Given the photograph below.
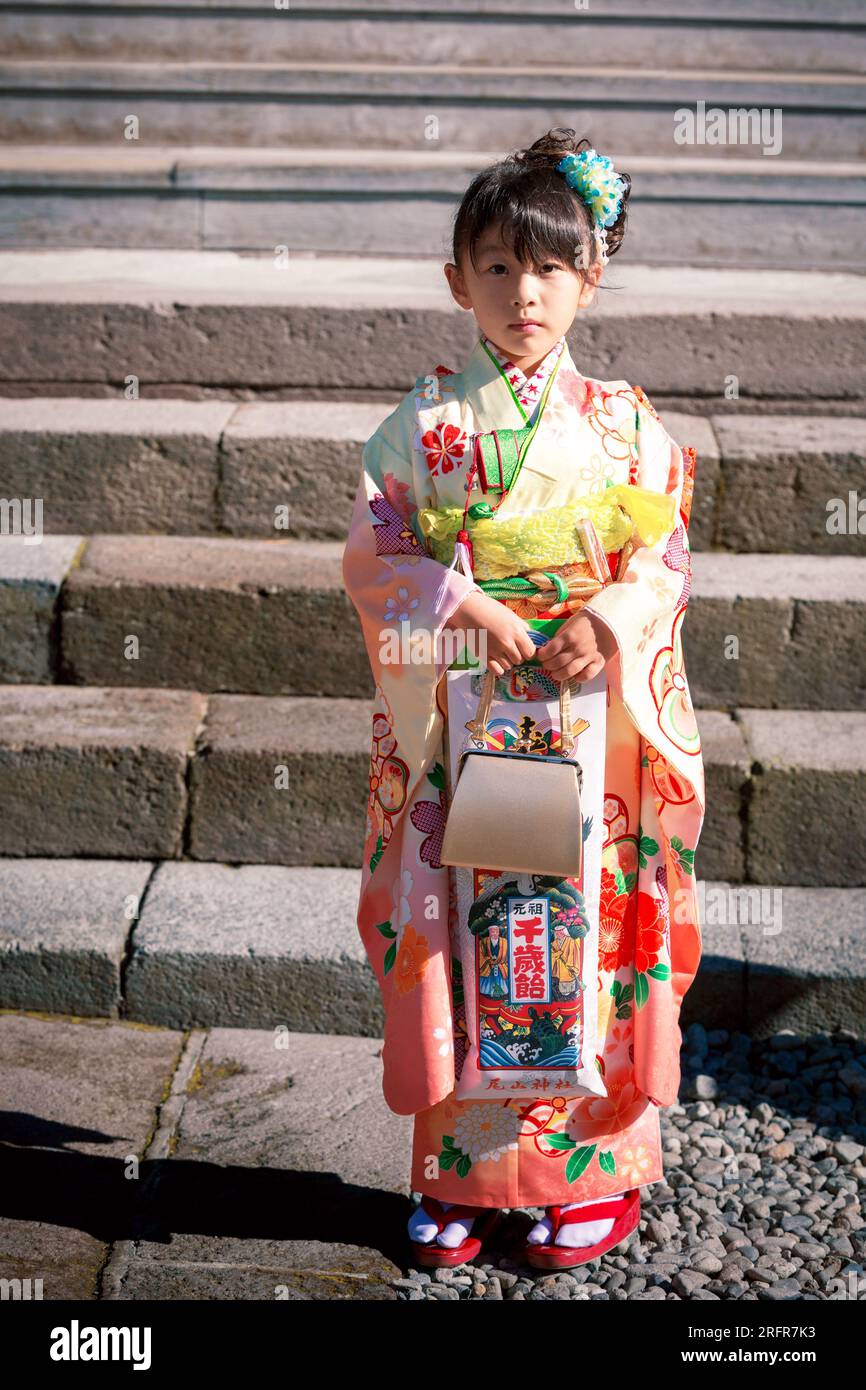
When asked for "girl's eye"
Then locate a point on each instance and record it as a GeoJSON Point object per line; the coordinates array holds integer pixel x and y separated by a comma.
{"type": "Point", "coordinates": [551, 265]}
{"type": "Point", "coordinates": [498, 267]}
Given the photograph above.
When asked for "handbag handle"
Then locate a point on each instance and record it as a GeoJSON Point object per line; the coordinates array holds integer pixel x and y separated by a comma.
{"type": "Point", "coordinates": [478, 725]}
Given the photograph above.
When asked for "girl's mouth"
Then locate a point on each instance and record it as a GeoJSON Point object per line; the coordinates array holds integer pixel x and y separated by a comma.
{"type": "Point", "coordinates": [525, 326]}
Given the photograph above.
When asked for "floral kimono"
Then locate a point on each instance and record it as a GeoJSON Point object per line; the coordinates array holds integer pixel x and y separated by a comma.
{"type": "Point", "coordinates": [599, 453]}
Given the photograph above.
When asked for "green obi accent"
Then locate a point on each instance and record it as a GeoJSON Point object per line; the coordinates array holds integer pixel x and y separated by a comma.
{"type": "Point", "coordinates": [498, 466]}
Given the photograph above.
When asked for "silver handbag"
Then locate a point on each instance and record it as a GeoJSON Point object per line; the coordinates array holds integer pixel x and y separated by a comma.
{"type": "Point", "coordinates": [512, 810]}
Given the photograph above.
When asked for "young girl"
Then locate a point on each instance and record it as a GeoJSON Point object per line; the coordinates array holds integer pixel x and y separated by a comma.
{"type": "Point", "coordinates": [531, 238]}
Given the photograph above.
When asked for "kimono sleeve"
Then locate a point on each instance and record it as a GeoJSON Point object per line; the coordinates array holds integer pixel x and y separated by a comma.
{"type": "Point", "coordinates": [403, 596]}
{"type": "Point", "coordinates": [656, 581]}
{"type": "Point", "coordinates": [644, 607]}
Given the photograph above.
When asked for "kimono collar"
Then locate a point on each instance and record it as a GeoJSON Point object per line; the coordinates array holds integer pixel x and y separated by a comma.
{"type": "Point", "coordinates": [528, 389]}
{"type": "Point", "coordinates": [492, 397]}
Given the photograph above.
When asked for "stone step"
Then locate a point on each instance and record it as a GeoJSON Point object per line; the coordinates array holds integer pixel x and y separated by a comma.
{"type": "Point", "coordinates": [219, 323]}
{"type": "Point", "coordinates": [238, 779]}
{"type": "Point", "coordinates": [272, 618]}
{"type": "Point", "coordinates": [828, 38]}
{"type": "Point", "coordinates": [728, 212]}
{"type": "Point", "coordinates": [199, 945]}
{"type": "Point", "coordinates": [151, 466]}
{"type": "Point", "coordinates": [409, 105]}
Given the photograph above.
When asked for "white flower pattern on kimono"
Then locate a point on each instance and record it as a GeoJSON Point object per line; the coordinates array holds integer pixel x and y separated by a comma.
{"type": "Point", "coordinates": [402, 603]}
{"type": "Point", "coordinates": [487, 1131]}
{"type": "Point", "coordinates": [558, 418]}
{"type": "Point", "coordinates": [446, 1035]}
{"type": "Point", "coordinates": [665, 589]}
{"type": "Point", "coordinates": [596, 472]}
{"type": "Point", "coordinates": [636, 1163]}
{"type": "Point", "coordinates": [402, 914]}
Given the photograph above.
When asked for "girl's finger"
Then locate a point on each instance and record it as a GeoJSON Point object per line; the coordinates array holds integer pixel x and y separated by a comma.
{"type": "Point", "coordinates": [558, 664]}
{"type": "Point", "coordinates": [587, 671]}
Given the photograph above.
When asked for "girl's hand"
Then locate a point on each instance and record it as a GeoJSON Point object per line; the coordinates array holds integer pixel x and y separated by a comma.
{"type": "Point", "coordinates": [508, 639]}
{"type": "Point", "coordinates": [579, 649]}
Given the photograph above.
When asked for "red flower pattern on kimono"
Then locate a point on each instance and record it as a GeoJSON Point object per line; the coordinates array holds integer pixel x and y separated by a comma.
{"type": "Point", "coordinates": [650, 933]}
{"type": "Point", "coordinates": [444, 448]}
{"type": "Point", "coordinates": [690, 459]}
{"type": "Point", "coordinates": [576, 391]}
{"type": "Point", "coordinates": [399, 495]}
{"type": "Point", "coordinates": [616, 924]}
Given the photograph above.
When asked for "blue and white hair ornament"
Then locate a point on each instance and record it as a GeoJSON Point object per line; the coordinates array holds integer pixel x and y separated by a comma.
{"type": "Point", "coordinates": [593, 176]}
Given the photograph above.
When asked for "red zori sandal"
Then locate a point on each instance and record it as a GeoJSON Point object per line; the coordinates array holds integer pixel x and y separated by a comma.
{"type": "Point", "coordinates": [625, 1211]}
{"type": "Point", "coordinates": [432, 1254]}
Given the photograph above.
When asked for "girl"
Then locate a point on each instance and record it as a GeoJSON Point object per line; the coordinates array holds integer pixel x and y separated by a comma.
{"type": "Point", "coordinates": [531, 238]}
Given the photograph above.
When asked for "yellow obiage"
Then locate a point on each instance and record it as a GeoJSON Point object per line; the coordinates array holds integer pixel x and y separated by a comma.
{"type": "Point", "coordinates": [540, 540]}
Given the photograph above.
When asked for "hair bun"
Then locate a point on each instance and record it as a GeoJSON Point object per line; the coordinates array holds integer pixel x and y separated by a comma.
{"type": "Point", "coordinates": [552, 146]}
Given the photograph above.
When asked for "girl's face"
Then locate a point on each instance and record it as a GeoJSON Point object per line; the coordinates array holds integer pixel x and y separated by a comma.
{"type": "Point", "coordinates": [504, 294]}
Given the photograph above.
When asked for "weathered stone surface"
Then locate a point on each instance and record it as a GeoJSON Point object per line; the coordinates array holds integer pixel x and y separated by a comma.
{"type": "Point", "coordinates": [288, 1175]}
{"type": "Point", "coordinates": [693, 430]}
{"type": "Point", "coordinates": [218, 319]}
{"type": "Point", "coordinates": [32, 569]}
{"type": "Point", "coordinates": [194, 467]}
{"type": "Point", "coordinates": [717, 996]}
{"type": "Point", "coordinates": [757, 631]}
{"type": "Point", "coordinates": [807, 809]}
{"type": "Point", "coordinates": [80, 1100]}
{"type": "Point", "coordinates": [721, 849]}
{"type": "Point", "coordinates": [242, 615]}
{"type": "Point", "coordinates": [106, 769]}
{"type": "Point", "coordinates": [281, 781]}
{"type": "Point", "coordinates": [303, 455]}
{"type": "Point", "coordinates": [117, 465]}
{"type": "Point", "coordinates": [257, 946]}
{"type": "Point", "coordinates": [489, 32]}
{"type": "Point", "coordinates": [277, 948]}
{"type": "Point", "coordinates": [269, 617]}
{"type": "Point", "coordinates": [304, 1270]}
{"type": "Point", "coordinates": [64, 925]}
{"type": "Point", "coordinates": [806, 961]}
{"type": "Point", "coordinates": [781, 475]}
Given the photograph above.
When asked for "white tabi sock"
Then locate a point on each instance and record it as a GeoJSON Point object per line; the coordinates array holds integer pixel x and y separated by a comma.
{"type": "Point", "coordinates": [575, 1233]}
{"type": "Point", "coordinates": [422, 1229]}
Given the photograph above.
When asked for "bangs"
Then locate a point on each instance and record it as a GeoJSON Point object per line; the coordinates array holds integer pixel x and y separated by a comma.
{"type": "Point", "coordinates": [539, 217]}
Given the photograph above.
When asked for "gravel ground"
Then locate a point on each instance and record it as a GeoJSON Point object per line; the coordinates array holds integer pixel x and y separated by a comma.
{"type": "Point", "coordinates": [765, 1171]}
